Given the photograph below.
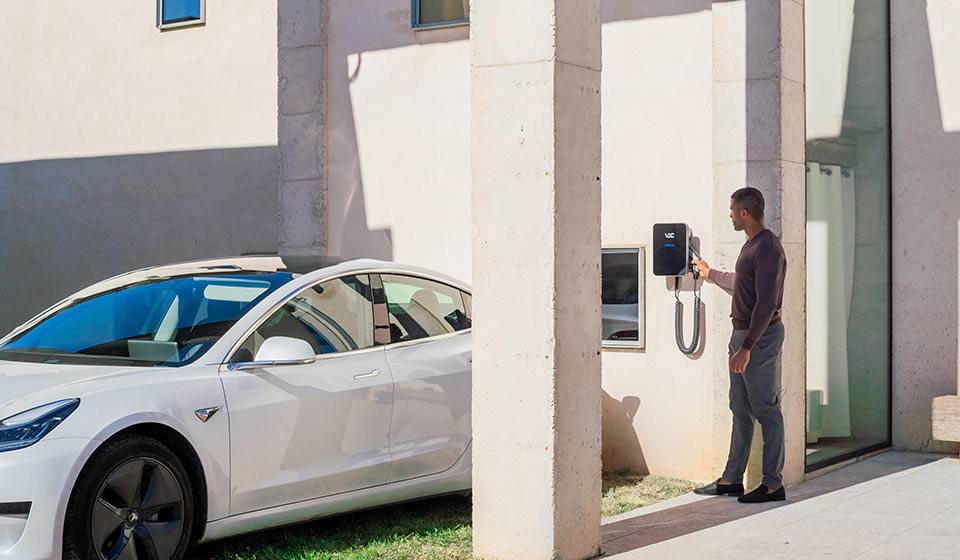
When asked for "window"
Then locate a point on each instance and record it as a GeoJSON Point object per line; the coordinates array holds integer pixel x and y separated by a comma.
{"type": "Point", "coordinates": [848, 229]}
{"type": "Point", "coordinates": [157, 322]}
{"type": "Point", "coordinates": [440, 13]}
{"type": "Point", "coordinates": [421, 308]}
{"type": "Point", "coordinates": [179, 13]}
{"type": "Point", "coordinates": [622, 297]}
{"type": "Point", "coordinates": [335, 316]}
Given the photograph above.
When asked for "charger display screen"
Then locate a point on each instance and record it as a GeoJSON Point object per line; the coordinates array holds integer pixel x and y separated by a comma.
{"type": "Point", "coordinates": [670, 249]}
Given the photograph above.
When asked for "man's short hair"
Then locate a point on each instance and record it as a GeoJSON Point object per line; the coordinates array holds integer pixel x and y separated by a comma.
{"type": "Point", "coordinates": [751, 200]}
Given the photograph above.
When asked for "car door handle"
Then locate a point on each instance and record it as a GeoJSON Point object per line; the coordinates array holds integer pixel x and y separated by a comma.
{"type": "Point", "coordinates": [367, 375]}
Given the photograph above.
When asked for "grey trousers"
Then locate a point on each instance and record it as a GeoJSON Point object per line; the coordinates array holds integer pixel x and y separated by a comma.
{"type": "Point", "coordinates": [756, 394]}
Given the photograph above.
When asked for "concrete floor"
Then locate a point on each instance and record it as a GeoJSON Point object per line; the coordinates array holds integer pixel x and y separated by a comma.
{"type": "Point", "coordinates": [894, 505]}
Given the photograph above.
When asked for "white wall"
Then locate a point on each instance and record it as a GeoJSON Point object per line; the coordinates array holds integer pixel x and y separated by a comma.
{"type": "Point", "coordinates": [657, 167]}
{"type": "Point", "coordinates": [123, 146]}
{"type": "Point", "coordinates": [399, 187]}
{"type": "Point", "coordinates": [399, 137]}
{"type": "Point", "coordinates": [926, 210]}
{"type": "Point", "coordinates": [83, 80]}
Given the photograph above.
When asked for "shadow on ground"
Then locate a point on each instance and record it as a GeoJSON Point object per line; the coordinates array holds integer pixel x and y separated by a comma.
{"type": "Point", "coordinates": [636, 531]}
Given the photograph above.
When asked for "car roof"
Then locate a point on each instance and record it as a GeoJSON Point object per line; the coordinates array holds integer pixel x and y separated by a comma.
{"type": "Point", "coordinates": [298, 265]}
{"type": "Point", "coordinates": [295, 264]}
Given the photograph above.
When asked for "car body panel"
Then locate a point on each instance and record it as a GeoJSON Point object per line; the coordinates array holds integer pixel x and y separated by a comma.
{"type": "Point", "coordinates": [297, 403]}
{"type": "Point", "coordinates": [115, 399]}
{"type": "Point", "coordinates": [431, 412]}
{"type": "Point", "coordinates": [307, 431]}
{"type": "Point", "coordinates": [454, 480]}
{"type": "Point", "coordinates": [42, 474]}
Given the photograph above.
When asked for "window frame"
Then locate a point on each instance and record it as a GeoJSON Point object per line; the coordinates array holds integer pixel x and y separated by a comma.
{"type": "Point", "coordinates": [180, 24]}
{"type": "Point", "coordinates": [463, 300]}
{"type": "Point", "coordinates": [238, 344]}
{"type": "Point", "coordinates": [640, 344]}
{"type": "Point", "coordinates": [417, 26]}
{"type": "Point", "coordinates": [376, 285]}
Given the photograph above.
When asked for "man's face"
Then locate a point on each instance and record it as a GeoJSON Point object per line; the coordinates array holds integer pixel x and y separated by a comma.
{"type": "Point", "coordinates": [737, 216]}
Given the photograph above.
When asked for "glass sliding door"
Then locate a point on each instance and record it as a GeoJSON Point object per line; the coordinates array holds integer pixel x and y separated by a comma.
{"type": "Point", "coordinates": [848, 228]}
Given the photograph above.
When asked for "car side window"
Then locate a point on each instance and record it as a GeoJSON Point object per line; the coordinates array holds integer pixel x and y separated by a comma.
{"type": "Point", "coordinates": [420, 308]}
{"type": "Point", "coordinates": [335, 316]}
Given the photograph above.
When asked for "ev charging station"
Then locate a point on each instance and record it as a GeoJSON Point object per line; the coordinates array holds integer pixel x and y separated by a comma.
{"type": "Point", "coordinates": [672, 253]}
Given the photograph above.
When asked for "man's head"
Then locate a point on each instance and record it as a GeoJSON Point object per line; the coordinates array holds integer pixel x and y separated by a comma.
{"type": "Point", "coordinates": [746, 206]}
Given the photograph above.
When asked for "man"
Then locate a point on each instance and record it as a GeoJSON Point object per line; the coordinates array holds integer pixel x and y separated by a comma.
{"type": "Point", "coordinates": [755, 350]}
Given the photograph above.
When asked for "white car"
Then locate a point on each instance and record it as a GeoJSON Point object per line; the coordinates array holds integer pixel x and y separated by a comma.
{"type": "Point", "coordinates": [191, 402]}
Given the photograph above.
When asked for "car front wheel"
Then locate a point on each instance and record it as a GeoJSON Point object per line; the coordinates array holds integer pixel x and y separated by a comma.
{"type": "Point", "coordinates": [132, 501]}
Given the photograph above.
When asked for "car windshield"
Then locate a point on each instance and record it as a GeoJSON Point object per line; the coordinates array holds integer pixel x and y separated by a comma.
{"type": "Point", "coordinates": [160, 321]}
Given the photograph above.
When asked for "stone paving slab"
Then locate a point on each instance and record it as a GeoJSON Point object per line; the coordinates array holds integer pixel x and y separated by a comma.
{"type": "Point", "coordinates": [894, 505]}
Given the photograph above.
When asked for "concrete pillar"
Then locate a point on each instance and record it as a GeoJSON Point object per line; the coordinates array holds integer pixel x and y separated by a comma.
{"type": "Point", "coordinates": [301, 126]}
{"type": "Point", "coordinates": [536, 253]}
{"type": "Point", "coordinates": [758, 131]}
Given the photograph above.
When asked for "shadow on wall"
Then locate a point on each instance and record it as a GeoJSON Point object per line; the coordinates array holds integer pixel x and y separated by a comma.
{"type": "Point", "coordinates": [67, 223]}
{"type": "Point", "coordinates": [621, 446]}
{"type": "Point", "coordinates": [353, 34]}
{"type": "Point", "coordinates": [619, 11]}
{"type": "Point", "coordinates": [926, 210]}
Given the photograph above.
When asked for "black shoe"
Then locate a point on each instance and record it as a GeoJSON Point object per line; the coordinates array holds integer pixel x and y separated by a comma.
{"type": "Point", "coordinates": [717, 489]}
{"type": "Point", "coordinates": [762, 494]}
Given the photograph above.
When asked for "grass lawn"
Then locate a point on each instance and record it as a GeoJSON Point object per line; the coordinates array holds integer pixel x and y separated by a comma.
{"type": "Point", "coordinates": [437, 529]}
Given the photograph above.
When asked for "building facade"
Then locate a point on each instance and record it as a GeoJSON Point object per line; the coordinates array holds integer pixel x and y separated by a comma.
{"type": "Point", "coordinates": [343, 127]}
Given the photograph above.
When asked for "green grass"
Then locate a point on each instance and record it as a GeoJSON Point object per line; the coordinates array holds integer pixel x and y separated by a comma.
{"type": "Point", "coordinates": [437, 529]}
{"type": "Point", "coordinates": [624, 491]}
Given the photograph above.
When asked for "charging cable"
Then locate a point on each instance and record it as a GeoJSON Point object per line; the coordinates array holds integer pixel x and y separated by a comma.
{"type": "Point", "coordinates": [678, 322]}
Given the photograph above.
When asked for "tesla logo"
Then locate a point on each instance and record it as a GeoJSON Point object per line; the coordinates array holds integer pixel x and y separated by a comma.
{"type": "Point", "coordinates": [670, 235]}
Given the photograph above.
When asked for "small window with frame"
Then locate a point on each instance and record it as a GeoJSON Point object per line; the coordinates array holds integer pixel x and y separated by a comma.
{"type": "Point", "coordinates": [172, 14]}
{"type": "Point", "coordinates": [622, 295]}
{"type": "Point", "coordinates": [431, 14]}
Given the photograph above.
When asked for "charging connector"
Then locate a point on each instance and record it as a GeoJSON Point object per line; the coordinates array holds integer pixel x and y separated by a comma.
{"type": "Point", "coordinates": [678, 315]}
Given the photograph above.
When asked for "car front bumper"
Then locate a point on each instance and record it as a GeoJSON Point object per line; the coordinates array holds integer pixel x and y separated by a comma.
{"type": "Point", "coordinates": [43, 476]}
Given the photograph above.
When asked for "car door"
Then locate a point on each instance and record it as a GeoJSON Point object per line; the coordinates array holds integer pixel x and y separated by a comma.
{"type": "Point", "coordinates": [430, 358]}
{"type": "Point", "coordinates": [299, 432]}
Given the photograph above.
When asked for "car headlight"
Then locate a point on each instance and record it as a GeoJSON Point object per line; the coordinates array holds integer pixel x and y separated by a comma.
{"type": "Point", "coordinates": [29, 427]}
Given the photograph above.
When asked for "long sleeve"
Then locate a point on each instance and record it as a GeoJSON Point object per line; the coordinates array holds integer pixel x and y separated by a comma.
{"type": "Point", "coordinates": [726, 280]}
{"type": "Point", "coordinates": [768, 279]}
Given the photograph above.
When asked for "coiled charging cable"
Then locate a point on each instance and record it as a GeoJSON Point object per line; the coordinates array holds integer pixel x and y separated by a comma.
{"type": "Point", "coordinates": [678, 322]}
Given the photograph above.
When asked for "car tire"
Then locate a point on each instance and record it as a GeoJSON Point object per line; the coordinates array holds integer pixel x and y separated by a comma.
{"type": "Point", "coordinates": [132, 492]}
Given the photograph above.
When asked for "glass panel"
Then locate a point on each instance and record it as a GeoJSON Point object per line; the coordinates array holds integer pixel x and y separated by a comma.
{"type": "Point", "coordinates": [176, 11]}
{"type": "Point", "coordinates": [620, 294]}
{"type": "Point", "coordinates": [164, 321]}
{"type": "Point", "coordinates": [848, 227]}
{"type": "Point", "coordinates": [441, 11]}
{"type": "Point", "coordinates": [335, 316]}
{"type": "Point", "coordinates": [421, 308]}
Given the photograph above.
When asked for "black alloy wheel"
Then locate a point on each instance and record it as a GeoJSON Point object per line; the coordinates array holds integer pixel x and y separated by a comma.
{"type": "Point", "coordinates": [132, 501]}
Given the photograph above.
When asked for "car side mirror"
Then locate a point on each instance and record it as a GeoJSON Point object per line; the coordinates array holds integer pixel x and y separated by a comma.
{"type": "Point", "coordinates": [279, 351]}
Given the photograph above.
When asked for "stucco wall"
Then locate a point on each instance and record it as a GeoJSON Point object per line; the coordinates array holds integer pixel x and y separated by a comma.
{"type": "Point", "coordinates": [399, 184]}
{"type": "Point", "coordinates": [657, 167]}
{"type": "Point", "coordinates": [124, 146]}
{"type": "Point", "coordinates": [399, 137]}
{"type": "Point", "coordinates": [925, 72]}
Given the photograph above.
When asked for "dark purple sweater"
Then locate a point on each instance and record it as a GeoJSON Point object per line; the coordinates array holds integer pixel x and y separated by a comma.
{"type": "Point", "coordinates": [757, 285]}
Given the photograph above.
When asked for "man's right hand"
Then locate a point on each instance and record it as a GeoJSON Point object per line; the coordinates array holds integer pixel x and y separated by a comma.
{"type": "Point", "coordinates": [702, 267]}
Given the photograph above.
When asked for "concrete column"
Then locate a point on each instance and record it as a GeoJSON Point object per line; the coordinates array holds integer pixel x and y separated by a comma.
{"type": "Point", "coordinates": [758, 129]}
{"type": "Point", "coordinates": [302, 125]}
{"type": "Point", "coordinates": [536, 253]}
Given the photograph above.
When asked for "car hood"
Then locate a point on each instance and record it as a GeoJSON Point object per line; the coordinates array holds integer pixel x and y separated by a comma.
{"type": "Point", "coordinates": [24, 385]}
